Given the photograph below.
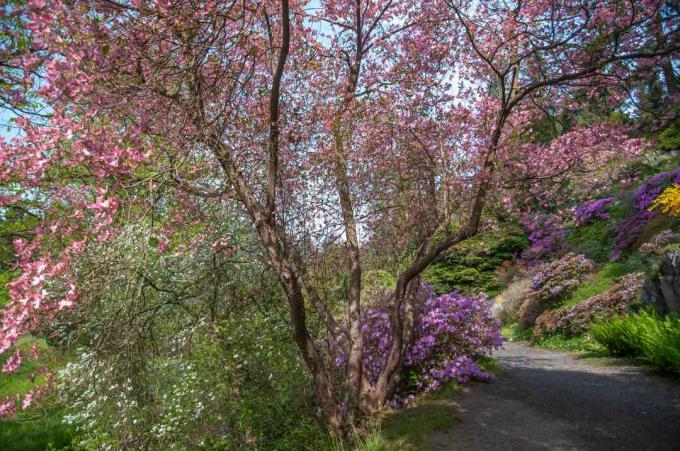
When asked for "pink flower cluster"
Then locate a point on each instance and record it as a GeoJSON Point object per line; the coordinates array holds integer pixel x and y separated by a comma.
{"type": "Point", "coordinates": [658, 241]}
{"type": "Point", "coordinates": [580, 317]}
{"type": "Point", "coordinates": [559, 278]}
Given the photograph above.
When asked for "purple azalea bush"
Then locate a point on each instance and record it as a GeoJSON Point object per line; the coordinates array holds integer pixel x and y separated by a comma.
{"type": "Point", "coordinates": [630, 228]}
{"type": "Point", "coordinates": [450, 333]}
{"type": "Point", "coordinates": [558, 279]}
{"type": "Point", "coordinates": [546, 235]}
{"type": "Point", "coordinates": [650, 190]}
{"type": "Point", "coordinates": [593, 210]}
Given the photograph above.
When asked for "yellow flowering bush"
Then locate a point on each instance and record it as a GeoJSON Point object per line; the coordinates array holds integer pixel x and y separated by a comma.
{"type": "Point", "coordinates": [668, 201]}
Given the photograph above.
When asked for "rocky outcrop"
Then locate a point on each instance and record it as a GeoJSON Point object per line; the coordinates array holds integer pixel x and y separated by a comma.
{"type": "Point", "coordinates": [663, 290]}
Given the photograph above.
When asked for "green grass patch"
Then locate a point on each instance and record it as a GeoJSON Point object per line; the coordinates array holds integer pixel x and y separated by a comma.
{"type": "Point", "coordinates": [35, 430]}
{"type": "Point", "coordinates": [410, 428]}
{"type": "Point", "coordinates": [18, 382]}
{"type": "Point", "coordinates": [603, 280]}
{"type": "Point", "coordinates": [512, 332]}
{"type": "Point", "coordinates": [40, 427]}
{"type": "Point", "coordinates": [557, 342]}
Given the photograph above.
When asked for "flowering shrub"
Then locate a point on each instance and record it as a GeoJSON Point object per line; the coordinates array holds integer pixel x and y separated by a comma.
{"type": "Point", "coordinates": [509, 301]}
{"type": "Point", "coordinates": [630, 228]}
{"type": "Point", "coordinates": [650, 190]}
{"type": "Point", "coordinates": [658, 242]}
{"type": "Point", "coordinates": [580, 317]}
{"type": "Point", "coordinates": [450, 332]}
{"type": "Point", "coordinates": [668, 201]}
{"type": "Point", "coordinates": [552, 283]}
{"type": "Point", "coordinates": [557, 279]}
{"type": "Point", "coordinates": [593, 210]}
{"type": "Point", "coordinates": [545, 234]}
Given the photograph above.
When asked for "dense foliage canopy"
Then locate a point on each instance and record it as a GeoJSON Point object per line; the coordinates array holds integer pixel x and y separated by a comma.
{"type": "Point", "coordinates": [387, 131]}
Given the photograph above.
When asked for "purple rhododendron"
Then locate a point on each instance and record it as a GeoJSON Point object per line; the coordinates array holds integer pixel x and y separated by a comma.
{"type": "Point", "coordinates": [630, 228]}
{"type": "Point", "coordinates": [450, 332]}
{"type": "Point", "coordinates": [650, 190]}
{"type": "Point", "coordinates": [546, 235]}
{"type": "Point", "coordinates": [593, 210]}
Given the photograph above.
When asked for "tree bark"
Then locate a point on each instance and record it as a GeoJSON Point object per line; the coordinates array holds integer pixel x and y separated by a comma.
{"type": "Point", "coordinates": [290, 282]}
{"type": "Point", "coordinates": [355, 356]}
{"type": "Point", "coordinates": [389, 378]}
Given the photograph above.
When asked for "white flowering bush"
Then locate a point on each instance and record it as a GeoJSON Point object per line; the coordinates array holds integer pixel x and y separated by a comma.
{"type": "Point", "coordinates": [166, 358]}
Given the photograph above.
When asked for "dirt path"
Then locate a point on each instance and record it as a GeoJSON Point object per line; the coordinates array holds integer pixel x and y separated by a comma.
{"type": "Point", "coordinates": [552, 400]}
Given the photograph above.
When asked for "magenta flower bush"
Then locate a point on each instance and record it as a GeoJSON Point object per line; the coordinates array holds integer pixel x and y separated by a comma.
{"type": "Point", "coordinates": [546, 235]}
{"type": "Point", "coordinates": [593, 210]}
{"type": "Point", "coordinates": [630, 228]}
{"type": "Point", "coordinates": [451, 332]}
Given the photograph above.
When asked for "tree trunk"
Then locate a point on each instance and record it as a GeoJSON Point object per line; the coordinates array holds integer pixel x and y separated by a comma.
{"type": "Point", "coordinates": [355, 355]}
{"type": "Point", "coordinates": [389, 378]}
{"type": "Point", "coordinates": [289, 280]}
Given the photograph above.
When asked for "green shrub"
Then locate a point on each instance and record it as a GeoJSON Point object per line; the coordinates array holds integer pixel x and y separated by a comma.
{"type": "Point", "coordinates": [646, 335]}
{"type": "Point", "coordinates": [669, 138]}
{"type": "Point", "coordinates": [592, 240]}
{"type": "Point", "coordinates": [471, 267]}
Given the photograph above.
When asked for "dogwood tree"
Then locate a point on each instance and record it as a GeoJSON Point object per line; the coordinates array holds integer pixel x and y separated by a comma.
{"type": "Point", "coordinates": [394, 123]}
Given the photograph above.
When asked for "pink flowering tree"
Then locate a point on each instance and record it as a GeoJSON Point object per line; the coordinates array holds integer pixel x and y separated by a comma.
{"type": "Point", "coordinates": [391, 123]}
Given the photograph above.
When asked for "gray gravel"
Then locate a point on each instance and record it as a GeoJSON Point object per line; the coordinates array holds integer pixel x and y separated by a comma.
{"type": "Point", "coordinates": [552, 400]}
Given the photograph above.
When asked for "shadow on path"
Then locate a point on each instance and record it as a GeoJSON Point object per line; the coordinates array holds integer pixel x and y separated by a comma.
{"type": "Point", "coordinates": [551, 400]}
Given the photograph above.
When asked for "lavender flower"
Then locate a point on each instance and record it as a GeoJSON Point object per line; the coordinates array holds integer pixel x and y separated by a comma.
{"type": "Point", "coordinates": [593, 210]}
{"type": "Point", "coordinates": [546, 235]}
{"type": "Point", "coordinates": [450, 332]}
{"type": "Point", "coordinates": [630, 228]}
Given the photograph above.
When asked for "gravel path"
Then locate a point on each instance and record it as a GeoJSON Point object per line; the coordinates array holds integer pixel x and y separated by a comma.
{"type": "Point", "coordinates": [551, 400]}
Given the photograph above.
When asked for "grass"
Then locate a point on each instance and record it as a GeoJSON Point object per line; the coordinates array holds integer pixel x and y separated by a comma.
{"type": "Point", "coordinates": [34, 430]}
{"type": "Point", "coordinates": [559, 342]}
{"type": "Point", "coordinates": [556, 342]}
{"type": "Point", "coordinates": [411, 428]}
{"type": "Point", "coordinates": [604, 279]}
{"type": "Point", "coordinates": [39, 427]}
{"type": "Point", "coordinates": [512, 332]}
